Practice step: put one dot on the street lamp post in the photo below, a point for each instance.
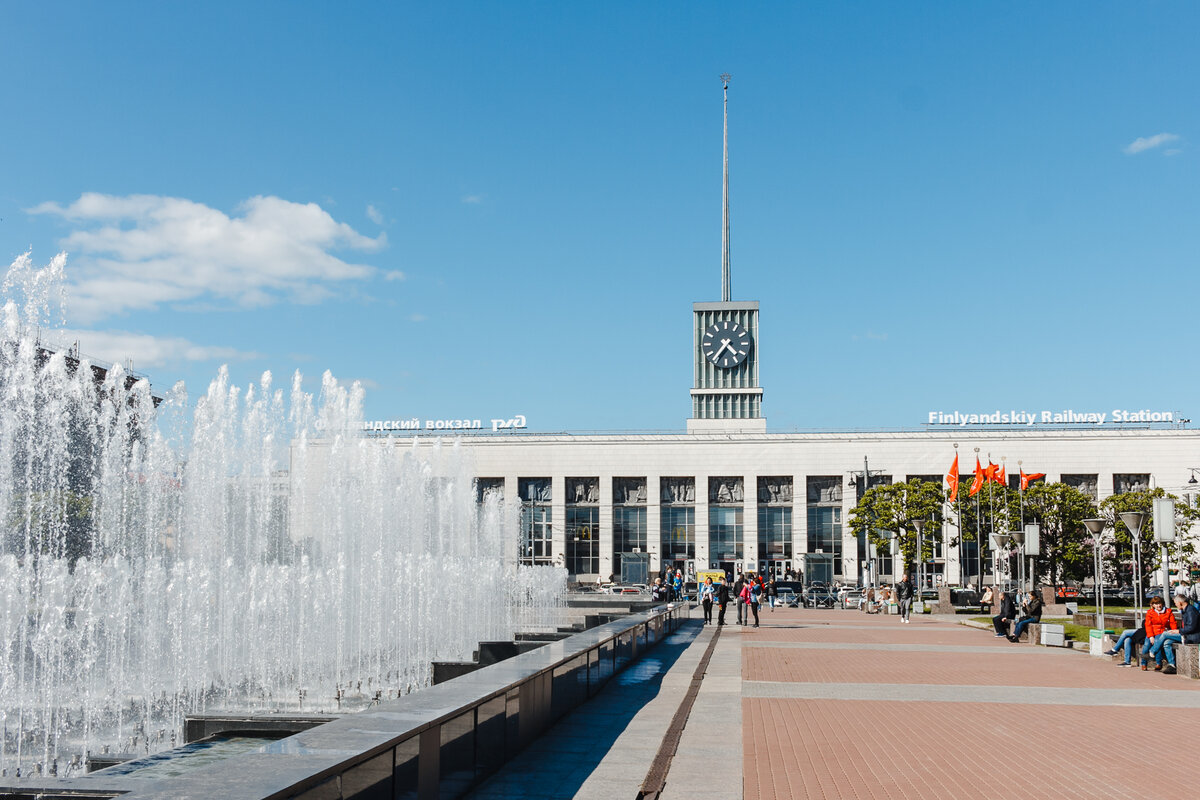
(919, 524)
(1096, 526)
(1001, 540)
(1018, 538)
(1164, 534)
(1134, 520)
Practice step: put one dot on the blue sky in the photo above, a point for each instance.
(482, 210)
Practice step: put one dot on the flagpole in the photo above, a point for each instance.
(978, 531)
(991, 500)
(1021, 489)
(958, 508)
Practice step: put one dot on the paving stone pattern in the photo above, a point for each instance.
(855, 711)
(830, 704)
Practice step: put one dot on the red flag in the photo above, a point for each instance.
(990, 472)
(977, 484)
(1002, 476)
(1027, 479)
(952, 478)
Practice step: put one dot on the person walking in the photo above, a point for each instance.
(738, 587)
(772, 594)
(904, 595)
(707, 595)
(722, 601)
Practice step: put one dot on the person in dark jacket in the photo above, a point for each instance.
(1033, 613)
(1008, 610)
(722, 601)
(1189, 628)
(738, 585)
(1164, 645)
(904, 595)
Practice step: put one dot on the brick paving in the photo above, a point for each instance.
(838, 704)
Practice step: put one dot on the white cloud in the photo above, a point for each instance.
(473, 199)
(1149, 142)
(870, 336)
(142, 251)
(374, 214)
(1172, 151)
(146, 352)
(417, 317)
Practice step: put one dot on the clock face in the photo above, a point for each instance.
(725, 344)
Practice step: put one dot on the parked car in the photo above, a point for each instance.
(1068, 592)
(1126, 593)
(788, 599)
(820, 598)
(851, 598)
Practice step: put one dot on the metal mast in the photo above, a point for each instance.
(725, 287)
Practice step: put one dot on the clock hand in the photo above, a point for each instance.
(724, 344)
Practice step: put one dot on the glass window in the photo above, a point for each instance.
(824, 550)
(536, 543)
(629, 533)
(825, 530)
(774, 532)
(725, 531)
(678, 533)
(583, 545)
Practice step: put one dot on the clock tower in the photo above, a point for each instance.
(726, 396)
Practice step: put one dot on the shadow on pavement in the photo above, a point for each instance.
(558, 764)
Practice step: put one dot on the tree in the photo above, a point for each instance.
(893, 508)
(1060, 510)
(1180, 551)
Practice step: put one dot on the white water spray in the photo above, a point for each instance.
(158, 559)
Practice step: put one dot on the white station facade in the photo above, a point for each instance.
(727, 493)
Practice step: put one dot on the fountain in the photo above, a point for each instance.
(248, 552)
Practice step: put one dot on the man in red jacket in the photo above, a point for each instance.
(1159, 620)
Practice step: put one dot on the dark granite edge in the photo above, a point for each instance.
(308, 758)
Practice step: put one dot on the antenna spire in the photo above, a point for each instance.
(725, 286)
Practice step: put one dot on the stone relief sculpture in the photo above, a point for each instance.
(677, 490)
(825, 489)
(725, 490)
(1130, 483)
(775, 490)
(1087, 484)
(629, 491)
(583, 490)
(489, 487)
(535, 490)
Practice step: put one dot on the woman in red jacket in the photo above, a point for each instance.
(1159, 619)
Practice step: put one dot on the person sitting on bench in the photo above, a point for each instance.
(1134, 637)
(1189, 628)
(1008, 610)
(1033, 613)
(1160, 621)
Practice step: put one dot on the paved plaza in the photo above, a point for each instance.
(838, 704)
